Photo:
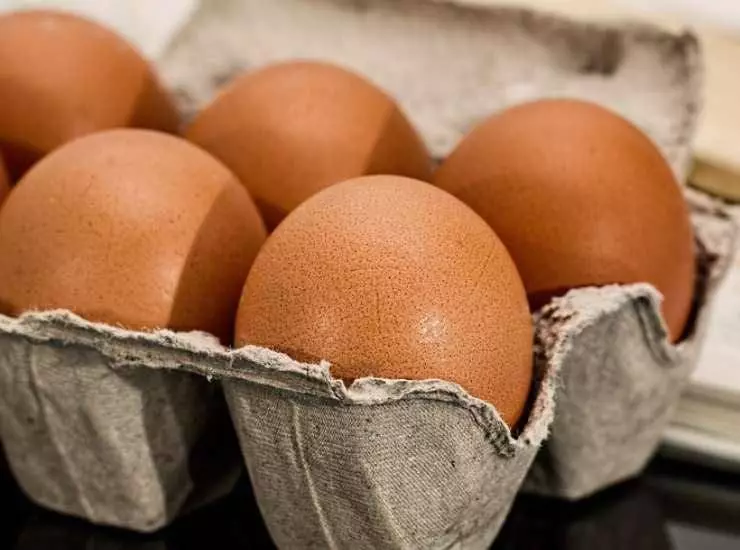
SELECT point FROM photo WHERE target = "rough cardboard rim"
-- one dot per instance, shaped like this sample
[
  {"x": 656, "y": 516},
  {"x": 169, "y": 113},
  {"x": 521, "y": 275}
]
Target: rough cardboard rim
[
  {"x": 202, "y": 354},
  {"x": 555, "y": 326}
]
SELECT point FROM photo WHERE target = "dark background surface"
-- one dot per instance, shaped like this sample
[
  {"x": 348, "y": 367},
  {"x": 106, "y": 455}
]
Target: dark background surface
[{"x": 672, "y": 506}]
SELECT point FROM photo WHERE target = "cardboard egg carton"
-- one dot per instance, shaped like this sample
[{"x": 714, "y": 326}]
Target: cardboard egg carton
[
  {"x": 107, "y": 424},
  {"x": 131, "y": 448},
  {"x": 620, "y": 379},
  {"x": 330, "y": 464}
]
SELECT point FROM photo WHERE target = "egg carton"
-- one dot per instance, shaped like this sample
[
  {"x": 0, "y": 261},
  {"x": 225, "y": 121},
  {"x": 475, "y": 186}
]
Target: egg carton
[
  {"x": 331, "y": 465},
  {"x": 620, "y": 378},
  {"x": 105, "y": 423},
  {"x": 131, "y": 449},
  {"x": 459, "y": 64}
]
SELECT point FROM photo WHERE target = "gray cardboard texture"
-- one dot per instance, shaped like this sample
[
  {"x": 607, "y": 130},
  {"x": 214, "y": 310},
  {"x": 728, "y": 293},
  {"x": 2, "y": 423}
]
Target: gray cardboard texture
[
  {"x": 410, "y": 471},
  {"x": 117, "y": 448},
  {"x": 391, "y": 464},
  {"x": 381, "y": 464},
  {"x": 620, "y": 379}
]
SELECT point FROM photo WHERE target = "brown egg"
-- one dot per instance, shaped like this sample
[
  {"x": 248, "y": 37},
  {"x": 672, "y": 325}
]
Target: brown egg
[
  {"x": 387, "y": 276},
  {"x": 61, "y": 77},
  {"x": 4, "y": 182},
  {"x": 132, "y": 228},
  {"x": 580, "y": 197},
  {"x": 290, "y": 130}
]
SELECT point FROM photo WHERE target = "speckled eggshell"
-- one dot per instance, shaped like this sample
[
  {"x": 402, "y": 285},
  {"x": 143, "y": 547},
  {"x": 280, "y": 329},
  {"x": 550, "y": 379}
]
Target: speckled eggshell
[
  {"x": 292, "y": 129},
  {"x": 388, "y": 276},
  {"x": 4, "y": 182},
  {"x": 62, "y": 76},
  {"x": 580, "y": 197},
  {"x": 133, "y": 228}
]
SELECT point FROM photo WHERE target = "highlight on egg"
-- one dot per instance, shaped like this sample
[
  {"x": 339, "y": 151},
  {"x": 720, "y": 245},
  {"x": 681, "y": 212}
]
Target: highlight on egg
[
  {"x": 390, "y": 277},
  {"x": 63, "y": 76},
  {"x": 580, "y": 197},
  {"x": 132, "y": 228},
  {"x": 292, "y": 129}
]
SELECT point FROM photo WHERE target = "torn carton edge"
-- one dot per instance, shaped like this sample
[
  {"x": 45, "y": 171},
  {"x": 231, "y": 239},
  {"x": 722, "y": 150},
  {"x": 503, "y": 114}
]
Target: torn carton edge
[{"x": 201, "y": 354}]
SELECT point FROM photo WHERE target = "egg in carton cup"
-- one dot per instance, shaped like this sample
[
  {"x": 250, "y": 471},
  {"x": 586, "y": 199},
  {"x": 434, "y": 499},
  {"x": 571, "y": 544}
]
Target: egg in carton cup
[
  {"x": 381, "y": 463},
  {"x": 620, "y": 379},
  {"x": 134, "y": 449},
  {"x": 463, "y": 62}
]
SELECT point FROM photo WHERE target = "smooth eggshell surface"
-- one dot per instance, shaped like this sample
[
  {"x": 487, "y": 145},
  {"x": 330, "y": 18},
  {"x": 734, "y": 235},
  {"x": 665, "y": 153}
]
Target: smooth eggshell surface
[
  {"x": 61, "y": 77},
  {"x": 580, "y": 197},
  {"x": 390, "y": 277},
  {"x": 132, "y": 228},
  {"x": 292, "y": 129}
]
